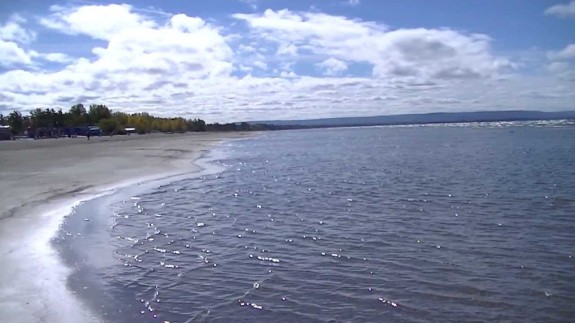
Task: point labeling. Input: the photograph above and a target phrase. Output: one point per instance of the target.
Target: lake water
(382, 224)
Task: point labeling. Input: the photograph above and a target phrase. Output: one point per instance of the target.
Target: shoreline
(33, 171)
(82, 241)
(37, 194)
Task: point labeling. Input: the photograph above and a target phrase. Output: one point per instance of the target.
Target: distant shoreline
(418, 119)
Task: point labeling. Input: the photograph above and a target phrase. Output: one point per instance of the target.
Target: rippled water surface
(369, 224)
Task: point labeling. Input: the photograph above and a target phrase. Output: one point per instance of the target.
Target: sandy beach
(39, 181)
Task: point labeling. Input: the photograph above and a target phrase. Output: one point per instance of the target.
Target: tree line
(56, 123)
(97, 115)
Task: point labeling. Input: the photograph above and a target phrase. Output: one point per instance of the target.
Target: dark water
(411, 224)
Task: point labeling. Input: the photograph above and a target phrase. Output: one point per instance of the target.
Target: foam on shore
(33, 276)
(37, 291)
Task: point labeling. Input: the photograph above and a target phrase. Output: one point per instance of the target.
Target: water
(411, 224)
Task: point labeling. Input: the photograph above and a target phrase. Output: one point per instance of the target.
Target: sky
(242, 60)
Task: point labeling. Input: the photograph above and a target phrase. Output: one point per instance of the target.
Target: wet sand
(38, 182)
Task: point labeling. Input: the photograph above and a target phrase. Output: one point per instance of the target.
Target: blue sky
(234, 60)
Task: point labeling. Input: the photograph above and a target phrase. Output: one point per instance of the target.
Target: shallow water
(367, 224)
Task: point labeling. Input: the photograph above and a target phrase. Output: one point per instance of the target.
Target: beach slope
(38, 182)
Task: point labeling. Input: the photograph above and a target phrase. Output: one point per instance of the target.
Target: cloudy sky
(236, 60)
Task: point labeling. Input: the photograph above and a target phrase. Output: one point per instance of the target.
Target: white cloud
(53, 57)
(286, 74)
(287, 49)
(144, 63)
(567, 53)
(12, 54)
(289, 96)
(562, 10)
(246, 48)
(12, 39)
(562, 70)
(353, 3)
(558, 67)
(97, 21)
(13, 31)
(422, 53)
(245, 68)
(298, 27)
(251, 3)
(332, 66)
(186, 24)
(182, 65)
(260, 65)
(183, 47)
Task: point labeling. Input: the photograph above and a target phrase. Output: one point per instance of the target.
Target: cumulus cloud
(267, 65)
(298, 27)
(561, 63)
(251, 3)
(566, 10)
(558, 67)
(566, 53)
(562, 70)
(141, 58)
(12, 54)
(288, 74)
(422, 53)
(97, 21)
(12, 30)
(260, 65)
(53, 57)
(144, 64)
(12, 36)
(287, 49)
(184, 47)
(332, 66)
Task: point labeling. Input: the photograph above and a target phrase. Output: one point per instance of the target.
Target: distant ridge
(427, 118)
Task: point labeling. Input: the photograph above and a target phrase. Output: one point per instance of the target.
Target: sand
(39, 181)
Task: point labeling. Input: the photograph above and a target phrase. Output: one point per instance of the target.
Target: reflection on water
(370, 224)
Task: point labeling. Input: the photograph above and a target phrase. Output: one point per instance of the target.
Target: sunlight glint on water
(368, 224)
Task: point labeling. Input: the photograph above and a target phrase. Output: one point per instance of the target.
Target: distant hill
(439, 117)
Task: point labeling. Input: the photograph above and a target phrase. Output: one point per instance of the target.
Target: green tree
(49, 117)
(16, 122)
(122, 118)
(78, 109)
(181, 125)
(59, 119)
(98, 112)
(36, 118)
(50, 122)
(143, 122)
(244, 126)
(77, 116)
(46, 118)
(109, 126)
(196, 125)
